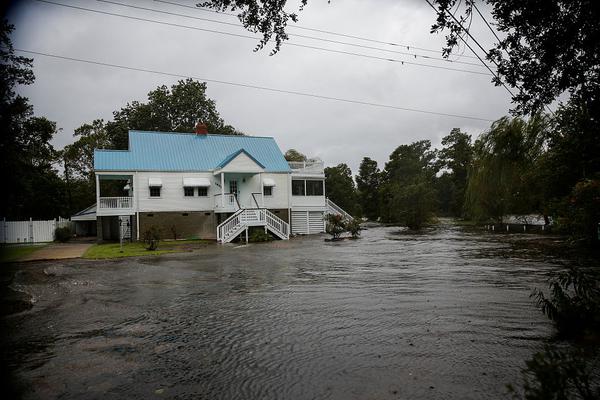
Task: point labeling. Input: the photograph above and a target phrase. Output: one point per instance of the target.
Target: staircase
(247, 217)
(333, 208)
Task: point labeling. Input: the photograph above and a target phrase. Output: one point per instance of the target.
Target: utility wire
(295, 26)
(470, 48)
(294, 35)
(254, 38)
(485, 20)
(251, 86)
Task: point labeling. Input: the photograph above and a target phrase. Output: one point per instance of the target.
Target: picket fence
(31, 231)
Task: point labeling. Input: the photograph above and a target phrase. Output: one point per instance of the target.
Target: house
(206, 186)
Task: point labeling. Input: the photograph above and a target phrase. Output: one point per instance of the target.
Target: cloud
(72, 93)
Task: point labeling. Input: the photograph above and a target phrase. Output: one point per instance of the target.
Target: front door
(233, 187)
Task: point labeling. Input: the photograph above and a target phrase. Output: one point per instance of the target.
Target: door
(233, 187)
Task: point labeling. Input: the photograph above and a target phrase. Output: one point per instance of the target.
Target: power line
(408, 47)
(485, 20)
(470, 48)
(251, 86)
(292, 34)
(254, 38)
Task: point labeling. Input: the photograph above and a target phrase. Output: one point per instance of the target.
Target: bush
(258, 234)
(354, 228)
(63, 234)
(152, 237)
(335, 225)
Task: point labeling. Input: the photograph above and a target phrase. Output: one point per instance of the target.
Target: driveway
(58, 251)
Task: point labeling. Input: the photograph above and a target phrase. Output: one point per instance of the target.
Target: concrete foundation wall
(199, 224)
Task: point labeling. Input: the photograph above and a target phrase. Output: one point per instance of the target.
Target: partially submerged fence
(31, 231)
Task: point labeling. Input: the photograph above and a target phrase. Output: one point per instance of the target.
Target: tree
(407, 194)
(547, 48)
(168, 110)
(32, 187)
(503, 178)
(367, 183)
(339, 187)
(294, 155)
(455, 157)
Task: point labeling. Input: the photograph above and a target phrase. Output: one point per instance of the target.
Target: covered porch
(114, 194)
(241, 190)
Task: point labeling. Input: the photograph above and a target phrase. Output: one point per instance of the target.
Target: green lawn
(136, 249)
(16, 252)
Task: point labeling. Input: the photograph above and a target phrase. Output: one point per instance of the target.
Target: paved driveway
(58, 251)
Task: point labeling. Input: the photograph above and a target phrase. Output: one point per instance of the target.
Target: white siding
(171, 194)
(242, 163)
(281, 191)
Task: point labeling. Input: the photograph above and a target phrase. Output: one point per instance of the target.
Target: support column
(262, 191)
(222, 189)
(97, 193)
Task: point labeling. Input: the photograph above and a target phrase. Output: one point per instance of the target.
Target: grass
(137, 249)
(17, 252)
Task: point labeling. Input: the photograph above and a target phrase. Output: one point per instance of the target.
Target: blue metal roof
(172, 151)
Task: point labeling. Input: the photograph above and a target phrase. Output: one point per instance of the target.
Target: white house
(206, 186)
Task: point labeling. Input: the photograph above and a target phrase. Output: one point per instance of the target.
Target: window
(314, 188)
(297, 187)
(268, 190)
(202, 191)
(188, 191)
(154, 191)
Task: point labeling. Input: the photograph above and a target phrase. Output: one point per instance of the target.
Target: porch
(119, 191)
(241, 191)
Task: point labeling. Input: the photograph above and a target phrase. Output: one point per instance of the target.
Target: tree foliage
(294, 155)
(367, 183)
(32, 187)
(455, 158)
(339, 187)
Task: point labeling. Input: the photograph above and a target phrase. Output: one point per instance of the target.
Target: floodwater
(394, 315)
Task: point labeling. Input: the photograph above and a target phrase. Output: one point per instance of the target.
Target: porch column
(262, 191)
(97, 193)
(222, 189)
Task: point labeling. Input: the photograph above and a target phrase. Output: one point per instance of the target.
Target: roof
(173, 151)
(89, 214)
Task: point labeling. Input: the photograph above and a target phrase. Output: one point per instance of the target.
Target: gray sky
(72, 93)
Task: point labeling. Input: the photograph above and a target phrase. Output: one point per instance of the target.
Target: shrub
(174, 232)
(335, 225)
(62, 234)
(258, 234)
(354, 228)
(152, 237)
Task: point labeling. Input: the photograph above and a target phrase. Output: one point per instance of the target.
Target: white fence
(30, 231)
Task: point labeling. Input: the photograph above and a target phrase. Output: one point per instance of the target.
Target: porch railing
(230, 202)
(121, 203)
(307, 167)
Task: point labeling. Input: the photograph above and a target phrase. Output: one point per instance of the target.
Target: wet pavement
(394, 315)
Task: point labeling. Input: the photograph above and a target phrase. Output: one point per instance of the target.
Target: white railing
(246, 217)
(277, 225)
(255, 200)
(307, 167)
(121, 203)
(229, 202)
(333, 208)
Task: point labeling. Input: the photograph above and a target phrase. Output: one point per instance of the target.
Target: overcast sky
(72, 93)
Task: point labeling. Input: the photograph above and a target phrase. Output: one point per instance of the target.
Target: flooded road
(442, 315)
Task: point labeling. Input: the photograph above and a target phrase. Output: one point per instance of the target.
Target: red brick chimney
(201, 128)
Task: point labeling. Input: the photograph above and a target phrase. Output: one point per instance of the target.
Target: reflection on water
(392, 315)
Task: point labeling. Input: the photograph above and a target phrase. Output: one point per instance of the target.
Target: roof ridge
(195, 134)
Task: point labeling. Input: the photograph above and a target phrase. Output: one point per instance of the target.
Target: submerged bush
(152, 237)
(354, 228)
(258, 234)
(335, 225)
(574, 302)
(63, 234)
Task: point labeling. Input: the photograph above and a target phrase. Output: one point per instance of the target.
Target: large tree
(455, 158)
(339, 187)
(175, 109)
(32, 187)
(407, 193)
(367, 184)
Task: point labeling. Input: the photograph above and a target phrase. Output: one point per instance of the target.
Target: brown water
(442, 315)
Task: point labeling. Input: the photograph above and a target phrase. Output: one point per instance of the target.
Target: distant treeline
(547, 165)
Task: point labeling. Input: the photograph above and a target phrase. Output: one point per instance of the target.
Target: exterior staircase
(244, 218)
(333, 208)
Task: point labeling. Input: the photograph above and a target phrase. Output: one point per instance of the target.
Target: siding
(172, 198)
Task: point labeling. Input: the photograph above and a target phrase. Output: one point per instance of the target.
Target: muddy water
(443, 315)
